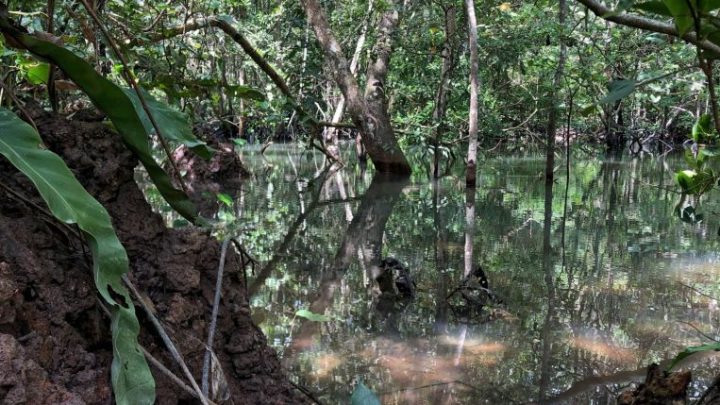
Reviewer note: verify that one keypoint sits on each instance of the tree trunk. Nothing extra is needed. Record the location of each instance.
(552, 117)
(369, 113)
(330, 135)
(448, 57)
(470, 178)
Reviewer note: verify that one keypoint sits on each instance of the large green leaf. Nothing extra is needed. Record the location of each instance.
(69, 202)
(695, 182)
(692, 350)
(618, 89)
(312, 316)
(362, 395)
(175, 124)
(38, 73)
(110, 98)
(681, 14)
(710, 5)
(655, 7)
(703, 130)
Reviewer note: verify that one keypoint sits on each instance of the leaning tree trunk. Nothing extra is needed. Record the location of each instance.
(470, 178)
(369, 113)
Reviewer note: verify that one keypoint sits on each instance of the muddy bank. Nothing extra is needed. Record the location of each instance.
(54, 340)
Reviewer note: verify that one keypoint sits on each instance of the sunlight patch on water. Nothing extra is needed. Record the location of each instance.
(606, 349)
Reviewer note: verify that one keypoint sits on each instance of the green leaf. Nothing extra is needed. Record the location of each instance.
(70, 203)
(239, 141)
(245, 92)
(362, 395)
(618, 89)
(225, 199)
(175, 124)
(692, 350)
(695, 182)
(710, 5)
(703, 129)
(681, 14)
(110, 98)
(38, 73)
(589, 110)
(655, 7)
(312, 316)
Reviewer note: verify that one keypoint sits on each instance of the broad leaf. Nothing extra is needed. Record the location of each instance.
(246, 92)
(312, 316)
(70, 203)
(703, 129)
(110, 98)
(225, 199)
(710, 5)
(174, 124)
(681, 14)
(655, 7)
(695, 182)
(38, 73)
(618, 89)
(692, 350)
(362, 395)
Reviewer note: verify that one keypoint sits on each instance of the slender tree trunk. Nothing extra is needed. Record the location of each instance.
(553, 113)
(330, 135)
(448, 57)
(470, 178)
(369, 113)
(241, 108)
(548, 325)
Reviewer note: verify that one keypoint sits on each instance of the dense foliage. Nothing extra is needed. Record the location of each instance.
(394, 76)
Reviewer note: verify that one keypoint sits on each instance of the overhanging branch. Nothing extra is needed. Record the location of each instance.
(235, 35)
(648, 24)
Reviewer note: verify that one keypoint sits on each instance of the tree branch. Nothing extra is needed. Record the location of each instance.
(648, 24)
(227, 28)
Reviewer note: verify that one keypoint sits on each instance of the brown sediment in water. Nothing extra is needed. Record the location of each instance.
(55, 343)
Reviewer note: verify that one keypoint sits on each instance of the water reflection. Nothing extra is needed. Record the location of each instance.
(590, 294)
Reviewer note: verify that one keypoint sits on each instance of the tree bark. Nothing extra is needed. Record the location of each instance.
(470, 178)
(553, 113)
(448, 58)
(330, 135)
(648, 24)
(369, 113)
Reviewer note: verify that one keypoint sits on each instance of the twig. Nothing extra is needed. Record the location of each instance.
(306, 392)
(19, 105)
(697, 291)
(129, 78)
(698, 330)
(642, 183)
(155, 362)
(166, 339)
(437, 384)
(213, 319)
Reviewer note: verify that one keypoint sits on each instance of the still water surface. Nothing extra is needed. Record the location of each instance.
(624, 282)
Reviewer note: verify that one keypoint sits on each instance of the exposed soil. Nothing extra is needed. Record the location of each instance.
(205, 179)
(54, 340)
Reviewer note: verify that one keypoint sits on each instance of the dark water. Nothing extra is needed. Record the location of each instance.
(623, 283)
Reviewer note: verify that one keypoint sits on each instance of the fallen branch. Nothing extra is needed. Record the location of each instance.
(213, 319)
(166, 339)
(155, 362)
